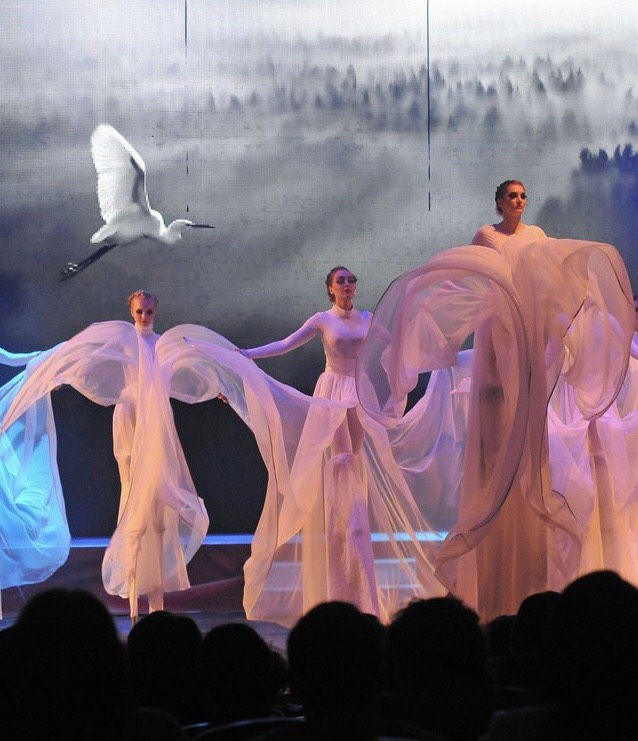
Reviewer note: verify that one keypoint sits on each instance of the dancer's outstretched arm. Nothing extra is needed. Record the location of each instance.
(304, 334)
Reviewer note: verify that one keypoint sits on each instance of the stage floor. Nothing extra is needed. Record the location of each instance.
(275, 635)
(215, 597)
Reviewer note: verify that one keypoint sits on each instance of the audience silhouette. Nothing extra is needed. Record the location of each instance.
(240, 674)
(517, 671)
(334, 653)
(592, 658)
(65, 675)
(163, 651)
(438, 657)
(569, 660)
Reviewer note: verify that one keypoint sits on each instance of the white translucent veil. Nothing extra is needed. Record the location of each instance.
(536, 309)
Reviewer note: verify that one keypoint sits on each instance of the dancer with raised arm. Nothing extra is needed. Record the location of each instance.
(340, 520)
(345, 562)
(533, 304)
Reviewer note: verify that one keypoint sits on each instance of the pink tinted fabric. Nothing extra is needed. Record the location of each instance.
(537, 308)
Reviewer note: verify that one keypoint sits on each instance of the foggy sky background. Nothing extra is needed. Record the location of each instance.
(300, 129)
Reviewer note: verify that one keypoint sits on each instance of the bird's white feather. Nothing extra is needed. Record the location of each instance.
(121, 174)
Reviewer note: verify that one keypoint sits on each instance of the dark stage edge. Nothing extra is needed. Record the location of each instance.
(215, 596)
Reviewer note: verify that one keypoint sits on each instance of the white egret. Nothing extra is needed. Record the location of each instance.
(121, 192)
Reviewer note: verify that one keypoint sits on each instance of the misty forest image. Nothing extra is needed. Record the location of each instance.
(308, 140)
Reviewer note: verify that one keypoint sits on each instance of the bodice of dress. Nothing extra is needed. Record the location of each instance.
(489, 235)
(342, 334)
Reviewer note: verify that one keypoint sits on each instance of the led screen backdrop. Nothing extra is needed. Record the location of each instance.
(310, 133)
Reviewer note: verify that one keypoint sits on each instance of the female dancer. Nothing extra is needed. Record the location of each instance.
(34, 534)
(161, 520)
(347, 558)
(339, 519)
(587, 456)
(534, 304)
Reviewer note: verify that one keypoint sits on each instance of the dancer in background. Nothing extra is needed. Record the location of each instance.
(34, 534)
(510, 561)
(538, 308)
(511, 200)
(589, 458)
(161, 520)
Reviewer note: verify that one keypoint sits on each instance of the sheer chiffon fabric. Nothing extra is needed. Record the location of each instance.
(539, 308)
(34, 534)
(338, 522)
(161, 520)
(593, 464)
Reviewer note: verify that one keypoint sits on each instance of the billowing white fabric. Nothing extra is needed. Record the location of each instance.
(34, 534)
(537, 307)
(339, 519)
(593, 463)
(161, 520)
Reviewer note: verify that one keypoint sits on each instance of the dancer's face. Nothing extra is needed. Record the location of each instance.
(143, 312)
(343, 286)
(514, 201)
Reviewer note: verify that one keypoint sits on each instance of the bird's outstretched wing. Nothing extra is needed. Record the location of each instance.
(121, 173)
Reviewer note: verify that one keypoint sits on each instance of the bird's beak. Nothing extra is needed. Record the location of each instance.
(201, 226)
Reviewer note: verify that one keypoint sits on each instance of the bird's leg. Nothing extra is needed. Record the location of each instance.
(73, 268)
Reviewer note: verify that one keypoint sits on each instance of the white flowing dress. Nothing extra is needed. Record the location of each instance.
(161, 520)
(340, 520)
(34, 534)
(538, 308)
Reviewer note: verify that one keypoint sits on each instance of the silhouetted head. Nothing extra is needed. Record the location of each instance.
(71, 677)
(592, 656)
(440, 634)
(239, 671)
(498, 632)
(530, 624)
(438, 654)
(334, 653)
(164, 641)
(163, 651)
